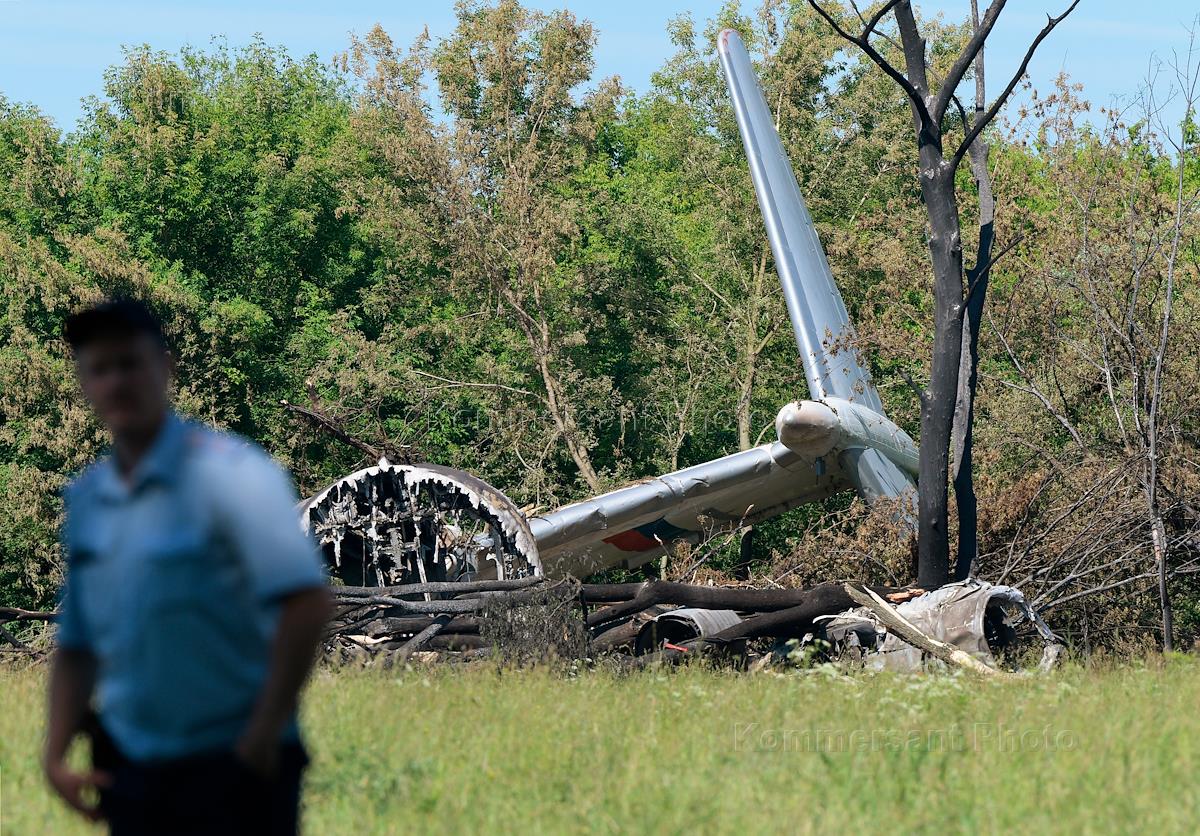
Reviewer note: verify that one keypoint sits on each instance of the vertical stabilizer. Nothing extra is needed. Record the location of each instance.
(822, 326)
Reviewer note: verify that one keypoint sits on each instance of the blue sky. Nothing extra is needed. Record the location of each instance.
(52, 53)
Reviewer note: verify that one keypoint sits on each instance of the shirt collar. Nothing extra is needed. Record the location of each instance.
(160, 463)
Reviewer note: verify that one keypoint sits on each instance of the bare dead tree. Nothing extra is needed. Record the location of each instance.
(1187, 76)
(962, 435)
(1124, 519)
(953, 291)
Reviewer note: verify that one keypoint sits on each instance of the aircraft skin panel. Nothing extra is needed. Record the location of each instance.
(819, 317)
(875, 475)
(623, 527)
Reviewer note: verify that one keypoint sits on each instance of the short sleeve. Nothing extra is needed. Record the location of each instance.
(256, 507)
(72, 633)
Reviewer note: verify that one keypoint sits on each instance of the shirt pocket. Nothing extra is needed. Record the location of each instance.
(179, 573)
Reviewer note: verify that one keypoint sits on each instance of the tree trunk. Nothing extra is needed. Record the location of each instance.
(945, 252)
(940, 397)
(964, 431)
(741, 571)
(743, 413)
(565, 421)
(753, 347)
(977, 286)
(1158, 535)
(964, 468)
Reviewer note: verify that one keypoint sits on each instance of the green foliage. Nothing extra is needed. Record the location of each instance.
(474, 247)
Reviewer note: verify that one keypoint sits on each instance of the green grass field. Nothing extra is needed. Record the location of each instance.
(694, 750)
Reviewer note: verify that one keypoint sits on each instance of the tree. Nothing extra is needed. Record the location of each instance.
(930, 99)
(202, 183)
(502, 188)
(223, 166)
(1101, 333)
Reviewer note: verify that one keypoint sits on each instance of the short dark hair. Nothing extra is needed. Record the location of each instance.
(114, 318)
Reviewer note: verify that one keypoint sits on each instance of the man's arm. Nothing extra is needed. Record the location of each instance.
(302, 620)
(72, 678)
(256, 506)
(72, 681)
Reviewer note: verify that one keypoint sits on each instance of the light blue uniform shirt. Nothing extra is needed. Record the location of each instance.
(173, 584)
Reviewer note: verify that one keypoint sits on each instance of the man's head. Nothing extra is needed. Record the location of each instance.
(123, 364)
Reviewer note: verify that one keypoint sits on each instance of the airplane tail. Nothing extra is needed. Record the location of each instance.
(824, 334)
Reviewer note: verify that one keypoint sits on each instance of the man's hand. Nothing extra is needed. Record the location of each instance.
(72, 675)
(259, 752)
(302, 619)
(71, 786)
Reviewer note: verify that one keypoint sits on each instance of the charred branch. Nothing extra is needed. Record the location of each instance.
(439, 587)
(990, 114)
(863, 42)
(711, 597)
(324, 422)
(17, 614)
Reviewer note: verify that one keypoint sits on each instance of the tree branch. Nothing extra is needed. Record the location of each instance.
(963, 63)
(863, 43)
(920, 393)
(333, 428)
(871, 26)
(983, 121)
(981, 273)
(470, 385)
(914, 51)
(962, 114)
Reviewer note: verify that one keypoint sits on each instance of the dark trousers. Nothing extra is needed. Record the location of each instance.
(209, 793)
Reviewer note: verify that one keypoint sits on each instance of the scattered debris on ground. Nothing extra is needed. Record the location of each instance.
(969, 624)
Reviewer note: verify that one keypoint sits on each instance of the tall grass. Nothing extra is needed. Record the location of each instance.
(707, 751)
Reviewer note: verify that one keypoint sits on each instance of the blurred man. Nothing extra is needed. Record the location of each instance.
(193, 609)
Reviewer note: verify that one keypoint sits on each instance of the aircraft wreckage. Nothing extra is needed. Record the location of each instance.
(419, 532)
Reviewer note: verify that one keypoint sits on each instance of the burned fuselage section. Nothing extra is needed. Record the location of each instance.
(391, 525)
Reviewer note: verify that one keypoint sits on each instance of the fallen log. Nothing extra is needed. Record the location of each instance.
(425, 607)
(615, 637)
(479, 601)
(795, 603)
(438, 587)
(609, 593)
(17, 614)
(422, 638)
(13, 640)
